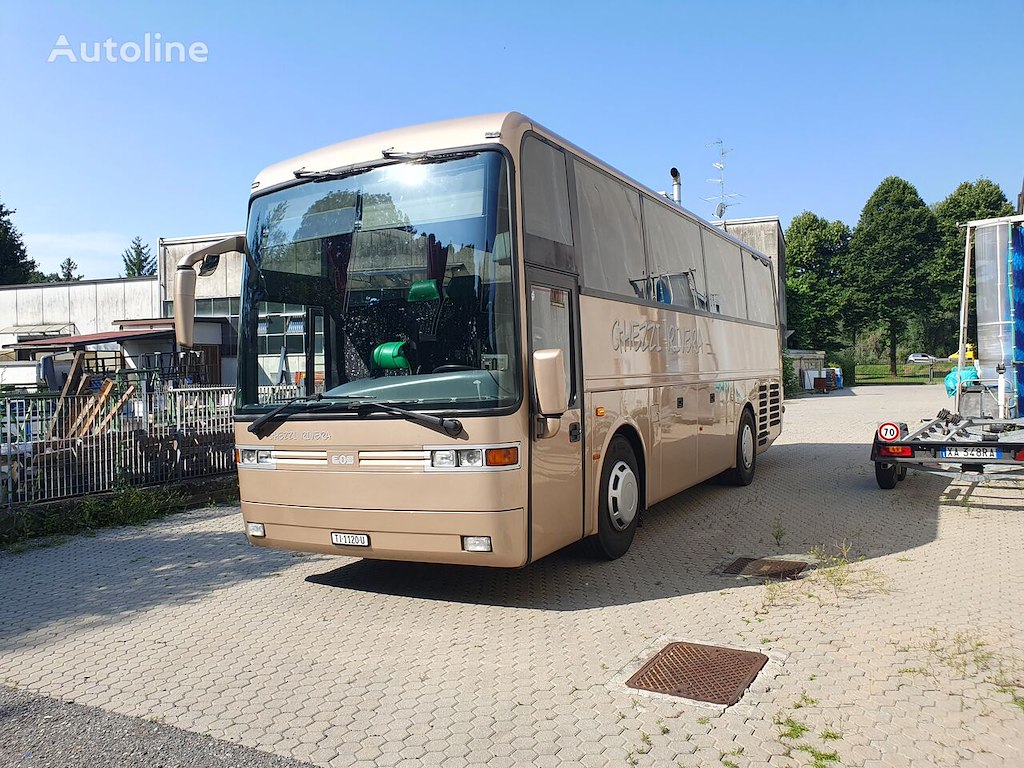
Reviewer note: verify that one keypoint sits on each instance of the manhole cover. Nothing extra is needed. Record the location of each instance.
(765, 568)
(699, 672)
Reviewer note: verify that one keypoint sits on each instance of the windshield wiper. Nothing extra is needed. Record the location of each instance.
(258, 423)
(442, 424)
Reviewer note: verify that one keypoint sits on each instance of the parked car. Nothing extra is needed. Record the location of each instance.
(921, 358)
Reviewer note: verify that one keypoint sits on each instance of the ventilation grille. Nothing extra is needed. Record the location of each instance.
(769, 410)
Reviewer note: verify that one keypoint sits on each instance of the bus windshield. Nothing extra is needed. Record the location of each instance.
(389, 284)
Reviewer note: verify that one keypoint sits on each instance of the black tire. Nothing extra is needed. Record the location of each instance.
(619, 504)
(746, 453)
(901, 472)
(886, 475)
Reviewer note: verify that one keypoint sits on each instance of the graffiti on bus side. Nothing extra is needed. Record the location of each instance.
(646, 336)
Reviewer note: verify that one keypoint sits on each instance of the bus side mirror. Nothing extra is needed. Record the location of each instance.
(185, 284)
(184, 304)
(549, 388)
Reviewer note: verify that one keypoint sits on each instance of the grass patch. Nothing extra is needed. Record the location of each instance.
(46, 525)
(790, 728)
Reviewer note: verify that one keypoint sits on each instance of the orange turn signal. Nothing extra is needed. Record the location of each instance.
(502, 457)
(599, 411)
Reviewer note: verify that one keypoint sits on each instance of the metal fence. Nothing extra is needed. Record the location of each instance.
(54, 446)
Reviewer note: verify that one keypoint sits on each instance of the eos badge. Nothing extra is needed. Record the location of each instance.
(343, 459)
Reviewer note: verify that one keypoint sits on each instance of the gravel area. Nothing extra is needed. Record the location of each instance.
(39, 731)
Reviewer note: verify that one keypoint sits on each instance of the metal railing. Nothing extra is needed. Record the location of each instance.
(53, 447)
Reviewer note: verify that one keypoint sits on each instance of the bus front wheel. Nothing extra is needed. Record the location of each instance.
(619, 502)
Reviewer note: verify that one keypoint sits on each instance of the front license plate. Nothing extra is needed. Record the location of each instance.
(350, 539)
(970, 452)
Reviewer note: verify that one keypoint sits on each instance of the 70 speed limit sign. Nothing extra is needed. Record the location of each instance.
(888, 432)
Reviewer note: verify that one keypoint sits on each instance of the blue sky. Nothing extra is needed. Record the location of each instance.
(819, 101)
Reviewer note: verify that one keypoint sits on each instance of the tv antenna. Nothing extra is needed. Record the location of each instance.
(722, 199)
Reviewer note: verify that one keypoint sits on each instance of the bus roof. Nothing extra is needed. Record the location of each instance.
(445, 134)
(462, 132)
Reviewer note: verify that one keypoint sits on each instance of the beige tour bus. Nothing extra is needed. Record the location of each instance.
(473, 342)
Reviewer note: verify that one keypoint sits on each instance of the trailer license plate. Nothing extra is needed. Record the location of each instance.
(350, 539)
(970, 452)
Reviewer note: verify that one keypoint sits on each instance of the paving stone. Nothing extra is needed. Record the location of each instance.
(387, 663)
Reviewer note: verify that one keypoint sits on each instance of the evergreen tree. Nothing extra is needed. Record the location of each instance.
(890, 251)
(15, 265)
(67, 271)
(138, 261)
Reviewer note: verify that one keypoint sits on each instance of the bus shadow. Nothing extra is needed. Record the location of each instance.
(805, 496)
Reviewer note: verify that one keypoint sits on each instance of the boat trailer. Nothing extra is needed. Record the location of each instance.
(965, 448)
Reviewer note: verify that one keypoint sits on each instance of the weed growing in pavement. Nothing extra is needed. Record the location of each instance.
(967, 656)
(778, 532)
(790, 728)
(819, 758)
(804, 701)
(838, 574)
(793, 735)
(723, 757)
(661, 726)
(703, 720)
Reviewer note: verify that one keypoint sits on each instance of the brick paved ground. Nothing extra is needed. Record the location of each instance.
(908, 657)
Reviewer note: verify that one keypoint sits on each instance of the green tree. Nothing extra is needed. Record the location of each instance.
(138, 261)
(67, 271)
(816, 251)
(892, 245)
(981, 199)
(15, 265)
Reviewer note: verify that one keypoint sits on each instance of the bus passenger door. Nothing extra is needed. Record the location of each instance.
(556, 462)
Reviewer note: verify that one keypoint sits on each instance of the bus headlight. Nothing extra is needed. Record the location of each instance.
(442, 459)
(481, 457)
(255, 457)
(471, 457)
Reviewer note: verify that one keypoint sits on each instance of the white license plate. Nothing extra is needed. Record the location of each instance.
(970, 452)
(350, 539)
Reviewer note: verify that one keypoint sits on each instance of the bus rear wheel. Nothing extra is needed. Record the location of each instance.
(746, 453)
(619, 503)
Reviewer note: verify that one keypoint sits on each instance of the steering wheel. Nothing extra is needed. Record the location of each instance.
(452, 367)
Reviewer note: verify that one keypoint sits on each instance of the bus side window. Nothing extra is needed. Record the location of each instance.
(674, 255)
(725, 276)
(551, 327)
(547, 223)
(612, 244)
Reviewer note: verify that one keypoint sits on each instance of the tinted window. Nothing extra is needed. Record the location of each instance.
(545, 192)
(674, 255)
(757, 277)
(725, 276)
(613, 249)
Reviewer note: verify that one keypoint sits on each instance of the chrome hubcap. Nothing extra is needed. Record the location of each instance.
(747, 446)
(623, 495)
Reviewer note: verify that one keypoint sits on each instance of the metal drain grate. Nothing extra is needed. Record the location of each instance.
(765, 568)
(699, 672)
